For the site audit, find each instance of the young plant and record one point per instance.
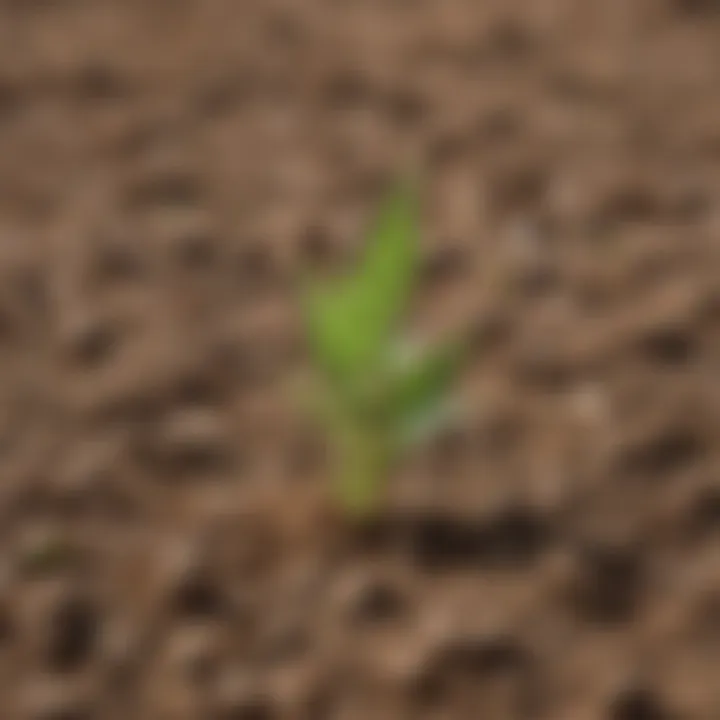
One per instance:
(377, 395)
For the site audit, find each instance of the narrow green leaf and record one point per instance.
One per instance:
(388, 269)
(418, 391)
(328, 317)
(351, 319)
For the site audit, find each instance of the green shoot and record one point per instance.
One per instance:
(376, 397)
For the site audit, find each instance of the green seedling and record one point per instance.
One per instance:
(378, 395)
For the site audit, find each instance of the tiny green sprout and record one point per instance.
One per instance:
(378, 394)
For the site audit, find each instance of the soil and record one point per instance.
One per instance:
(167, 170)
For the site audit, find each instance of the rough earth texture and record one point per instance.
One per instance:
(167, 168)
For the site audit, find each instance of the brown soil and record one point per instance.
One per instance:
(166, 168)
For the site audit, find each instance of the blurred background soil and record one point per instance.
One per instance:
(167, 168)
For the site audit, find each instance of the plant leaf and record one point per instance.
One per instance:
(351, 319)
(418, 391)
(385, 278)
(328, 311)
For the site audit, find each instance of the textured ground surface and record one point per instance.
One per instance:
(165, 170)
